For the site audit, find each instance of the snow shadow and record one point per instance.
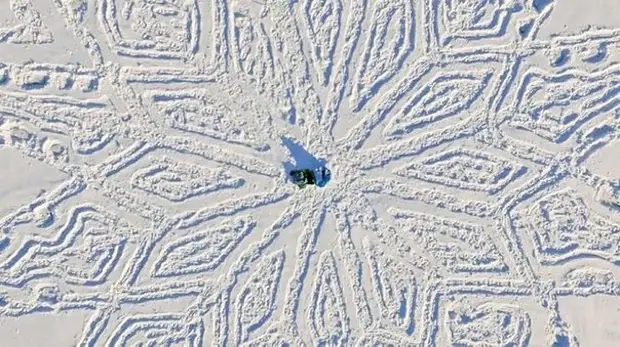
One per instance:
(301, 158)
(539, 5)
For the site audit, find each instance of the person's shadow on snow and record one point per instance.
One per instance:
(302, 159)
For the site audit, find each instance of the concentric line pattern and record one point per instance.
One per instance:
(464, 204)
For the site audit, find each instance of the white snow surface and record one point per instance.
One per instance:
(473, 144)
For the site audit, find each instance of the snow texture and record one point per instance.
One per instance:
(473, 145)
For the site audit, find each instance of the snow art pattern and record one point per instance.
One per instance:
(463, 205)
